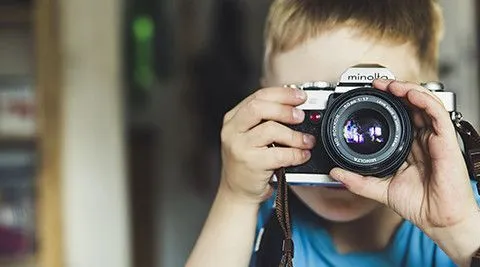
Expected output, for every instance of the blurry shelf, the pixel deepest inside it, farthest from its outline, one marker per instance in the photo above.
(14, 138)
(22, 262)
(17, 141)
(16, 13)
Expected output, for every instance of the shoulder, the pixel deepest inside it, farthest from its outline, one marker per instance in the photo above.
(413, 247)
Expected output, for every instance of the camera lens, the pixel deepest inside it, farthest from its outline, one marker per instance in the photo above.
(366, 131)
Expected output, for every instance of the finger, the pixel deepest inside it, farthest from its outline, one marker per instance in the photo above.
(276, 157)
(382, 84)
(369, 187)
(273, 132)
(422, 99)
(418, 153)
(437, 114)
(418, 119)
(257, 110)
(400, 89)
(282, 95)
(404, 165)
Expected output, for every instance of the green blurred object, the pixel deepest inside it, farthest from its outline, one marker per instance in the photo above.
(144, 33)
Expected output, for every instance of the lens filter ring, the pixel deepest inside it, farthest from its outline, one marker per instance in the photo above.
(367, 131)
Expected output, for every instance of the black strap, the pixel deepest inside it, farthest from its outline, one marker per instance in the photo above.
(269, 251)
(475, 259)
(282, 211)
(471, 143)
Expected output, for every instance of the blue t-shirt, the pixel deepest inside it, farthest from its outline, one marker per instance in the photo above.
(314, 246)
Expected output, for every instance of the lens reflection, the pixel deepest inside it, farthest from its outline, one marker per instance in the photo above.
(366, 131)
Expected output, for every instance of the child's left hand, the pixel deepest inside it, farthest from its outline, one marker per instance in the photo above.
(432, 189)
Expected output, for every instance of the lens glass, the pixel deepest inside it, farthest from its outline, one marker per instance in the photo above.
(366, 131)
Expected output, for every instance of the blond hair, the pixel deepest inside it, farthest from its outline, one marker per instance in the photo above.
(290, 23)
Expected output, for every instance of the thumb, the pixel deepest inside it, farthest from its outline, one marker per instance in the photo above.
(365, 186)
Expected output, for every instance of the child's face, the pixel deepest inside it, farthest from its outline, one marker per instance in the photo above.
(325, 58)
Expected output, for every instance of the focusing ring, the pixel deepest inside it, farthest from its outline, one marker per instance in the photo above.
(394, 156)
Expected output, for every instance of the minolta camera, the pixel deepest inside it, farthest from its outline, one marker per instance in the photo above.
(358, 127)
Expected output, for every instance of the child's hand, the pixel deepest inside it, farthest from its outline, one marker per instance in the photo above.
(432, 189)
(249, 129)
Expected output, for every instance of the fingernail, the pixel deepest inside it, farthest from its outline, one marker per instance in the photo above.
(308, 139)
(300, 94)
(298, 115)
(306, 153)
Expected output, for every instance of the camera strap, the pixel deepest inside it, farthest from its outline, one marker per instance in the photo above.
(471, 143)
(282, 212)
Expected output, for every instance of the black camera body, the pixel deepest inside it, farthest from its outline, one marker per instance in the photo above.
(357, 127)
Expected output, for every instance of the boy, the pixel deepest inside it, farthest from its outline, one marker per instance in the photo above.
(425, 215)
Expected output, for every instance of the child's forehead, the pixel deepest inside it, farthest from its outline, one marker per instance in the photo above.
(327, 56)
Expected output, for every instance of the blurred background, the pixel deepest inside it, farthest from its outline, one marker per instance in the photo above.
(110, 113)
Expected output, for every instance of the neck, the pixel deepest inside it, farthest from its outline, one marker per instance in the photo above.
(372, 232)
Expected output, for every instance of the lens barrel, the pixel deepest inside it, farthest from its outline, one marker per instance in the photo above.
(367, 131)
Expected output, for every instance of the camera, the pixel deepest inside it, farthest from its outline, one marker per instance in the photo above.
(357, 127)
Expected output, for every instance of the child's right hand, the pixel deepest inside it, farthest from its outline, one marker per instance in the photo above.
(249, 129)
